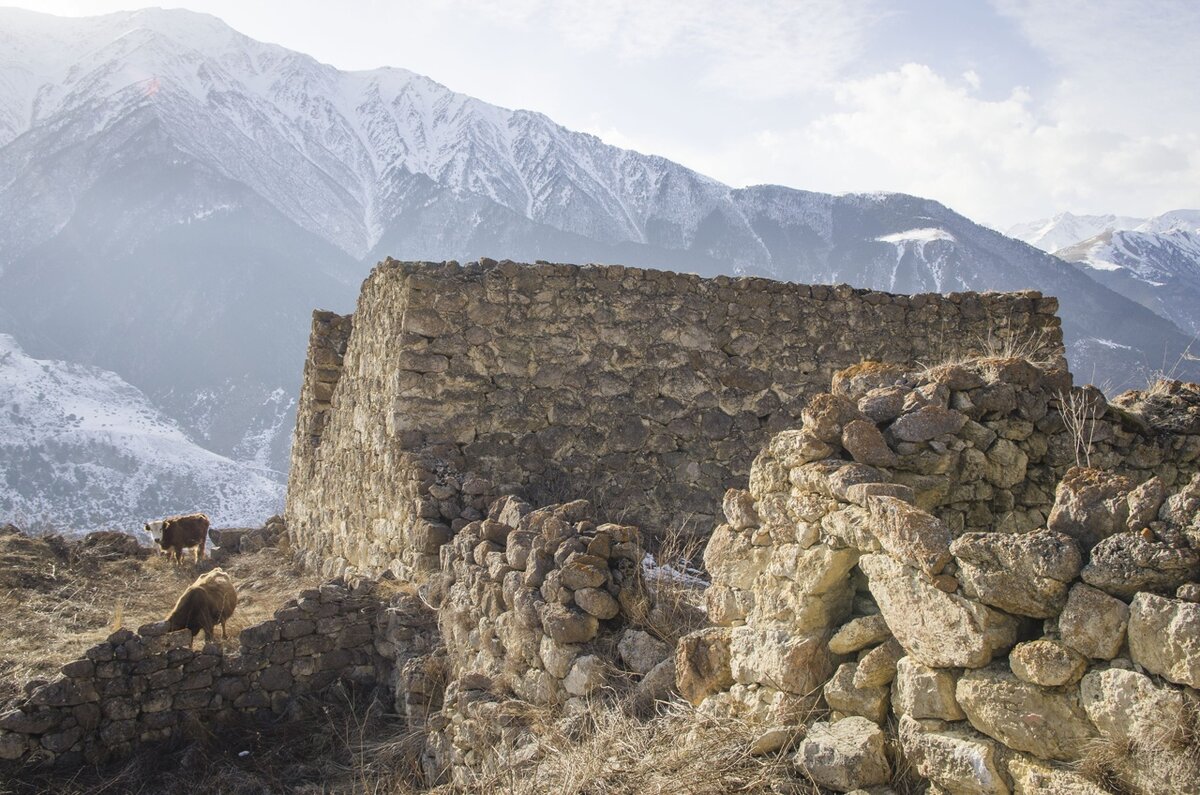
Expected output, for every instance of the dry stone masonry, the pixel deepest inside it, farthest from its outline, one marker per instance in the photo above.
(646, 392)
(153, 685)
(924, 555)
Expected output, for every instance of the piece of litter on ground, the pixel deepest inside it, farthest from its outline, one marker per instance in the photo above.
(243, 753)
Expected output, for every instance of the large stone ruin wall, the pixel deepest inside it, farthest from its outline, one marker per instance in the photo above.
(646, 392)
(924, 558)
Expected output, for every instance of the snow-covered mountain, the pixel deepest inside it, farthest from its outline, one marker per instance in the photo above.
(176, 197)
(1066, 229)
(1155, 261)
(81, 450)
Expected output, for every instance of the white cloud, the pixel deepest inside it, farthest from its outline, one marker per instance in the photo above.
(911, 130)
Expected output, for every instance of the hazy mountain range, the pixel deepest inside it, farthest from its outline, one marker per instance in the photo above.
(175, 198)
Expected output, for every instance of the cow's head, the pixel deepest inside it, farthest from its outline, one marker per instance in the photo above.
(155, 529)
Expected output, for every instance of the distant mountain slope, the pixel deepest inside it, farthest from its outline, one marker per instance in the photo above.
(1154, 261)
(81, 450)
(1067, 229)
(176, 197)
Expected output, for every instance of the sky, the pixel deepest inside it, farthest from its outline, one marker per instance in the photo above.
(1005, 110)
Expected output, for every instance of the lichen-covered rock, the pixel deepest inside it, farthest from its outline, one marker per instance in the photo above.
(702, 663)
(909, 534)
(1144, 503)
(859, 633)
(927, 422)
(844, 696)
(1026, 573)
(825, 415)
(866, 445)
(844, 756)
(1093, 623)
(922, 692)
(1126, 563)
(952, 756)
(1090, 505)
(860, 379)
(1048, 723)
(1164, 637)
(1046, 663)
(938, 629)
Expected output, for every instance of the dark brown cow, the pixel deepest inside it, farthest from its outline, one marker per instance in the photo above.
(180, 532)
(208, 601)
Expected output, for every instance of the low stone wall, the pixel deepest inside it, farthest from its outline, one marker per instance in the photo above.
(922, 553)
(150, 685)
(644, 391)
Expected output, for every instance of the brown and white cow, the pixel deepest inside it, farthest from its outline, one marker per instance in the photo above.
(178, 533)
(208, 601)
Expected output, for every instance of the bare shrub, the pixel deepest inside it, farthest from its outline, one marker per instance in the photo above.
(1080, 409)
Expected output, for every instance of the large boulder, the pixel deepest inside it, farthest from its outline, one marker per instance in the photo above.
(955, 758)
(1027, 573)
(1090, 505)
(1126, 563)
(909, 534)
(1093, 623)
(939, 629)
(1164, 637)
(1048, 723)
(844, 756)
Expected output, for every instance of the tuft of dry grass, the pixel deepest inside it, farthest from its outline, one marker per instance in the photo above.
(673, 582)
(606, 752)
(57, 604)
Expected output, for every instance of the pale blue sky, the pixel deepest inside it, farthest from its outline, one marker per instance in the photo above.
(1005, 110)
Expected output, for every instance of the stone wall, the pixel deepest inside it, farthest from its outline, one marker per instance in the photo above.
(647, 392)
(924, 553)
(152, 685)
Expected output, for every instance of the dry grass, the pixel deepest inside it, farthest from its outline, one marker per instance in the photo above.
(1079, 414)
(996, 344)
(57, 604)
(1155, 761)
(606, 752)
(674, 586)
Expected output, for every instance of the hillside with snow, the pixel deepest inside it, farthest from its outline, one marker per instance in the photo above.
(176, 198)
(82, 450)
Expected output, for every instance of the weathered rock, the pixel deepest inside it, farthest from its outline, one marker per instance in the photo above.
(1026, 574)
(866, 445)
(792, 663)
(909, 534)
(566, 626)
(1090, 505)
(1164, 637)
(826, 414)
(1034, 777)
(860, 379)
(1127, 705)
(962, 761)
(597, 602)
(1144, 503)
(938, 629)
(738, 506)
(922, 692)
(877, 667)
(844, 756)
(702, 663)
(1093, 623)
(641, 651)
(797, 447)
(1047, 663)
(1050, 724)
(588, 673)
(859, 634)
(883, 404)
(1126, 563)
(928, 422)
(843, 695)
(732, 560)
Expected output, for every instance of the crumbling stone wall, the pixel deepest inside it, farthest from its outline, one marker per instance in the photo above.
(151, 684)
(647, 392)
(543, 607)
(923, 552)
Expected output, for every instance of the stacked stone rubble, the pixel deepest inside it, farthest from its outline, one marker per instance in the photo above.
(152, 685)
(923, 554)
(644, 389)
(539, 610)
